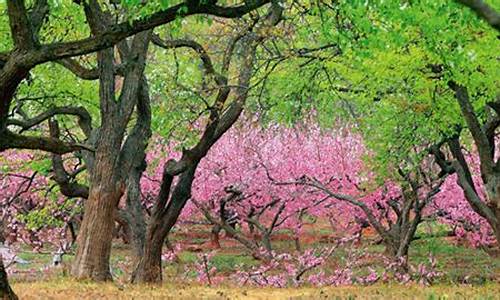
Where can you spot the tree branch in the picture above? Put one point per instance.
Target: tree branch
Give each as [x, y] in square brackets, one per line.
[118, 32]
[480, 138]
[10, 140]
[85, 121]
[37, 15]
[67, 185]
[20, 26]
[484, 11]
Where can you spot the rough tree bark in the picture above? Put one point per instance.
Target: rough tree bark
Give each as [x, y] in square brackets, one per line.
[161, 222]
[107, 181]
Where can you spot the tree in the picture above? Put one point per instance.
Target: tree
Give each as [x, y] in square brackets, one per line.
[452, 208]
[173, 196]
[255, 161]
[276, 176]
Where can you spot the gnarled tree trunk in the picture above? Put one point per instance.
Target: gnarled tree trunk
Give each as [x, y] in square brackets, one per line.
[149, 267]
[112, 160]
[162, 220]
[96, 231]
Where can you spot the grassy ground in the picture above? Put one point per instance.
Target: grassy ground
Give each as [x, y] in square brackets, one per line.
[67, 289]
[460, 264]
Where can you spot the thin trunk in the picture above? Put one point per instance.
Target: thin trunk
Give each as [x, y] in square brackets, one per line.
[266, 241]
[296, 241]
[391, 246]
[495, 223]
[493, 203]
[161, 222]
[215, 236]
[497, 229]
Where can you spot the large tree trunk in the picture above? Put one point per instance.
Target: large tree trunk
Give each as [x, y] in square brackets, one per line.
[112, 162]
[96, 231]
[149, 268]
[96, 234]
[6, 292]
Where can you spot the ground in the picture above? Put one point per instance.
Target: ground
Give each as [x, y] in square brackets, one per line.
[67, 289]
[468, 273]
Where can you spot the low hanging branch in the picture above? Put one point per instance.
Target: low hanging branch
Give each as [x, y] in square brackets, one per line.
[84, 118]
[10, 140]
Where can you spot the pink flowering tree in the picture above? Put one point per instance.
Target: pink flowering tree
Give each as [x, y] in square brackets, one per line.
[284, 173]
[393, 210]
[250, 162]
[32, 213]
[451, 207]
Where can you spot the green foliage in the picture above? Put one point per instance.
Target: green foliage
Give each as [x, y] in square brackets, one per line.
[6, 42]
[379, 73]
[45, 217]
[42, 166]
[65, 22]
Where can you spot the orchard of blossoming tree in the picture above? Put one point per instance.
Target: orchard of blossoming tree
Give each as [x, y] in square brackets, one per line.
[249, 144]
